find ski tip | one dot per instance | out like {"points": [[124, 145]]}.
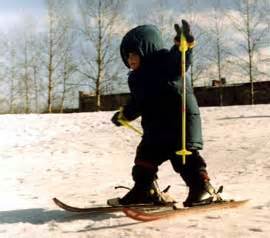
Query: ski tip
{"points": [[139, 215], [57, 201]]}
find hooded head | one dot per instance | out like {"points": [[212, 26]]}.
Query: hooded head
{"points": [[143, 40]]}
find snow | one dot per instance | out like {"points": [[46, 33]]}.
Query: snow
{"points": [[79, 158]]}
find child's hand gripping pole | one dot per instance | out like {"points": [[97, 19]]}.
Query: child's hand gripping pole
{"points": [[126, 123], [183, 47]]}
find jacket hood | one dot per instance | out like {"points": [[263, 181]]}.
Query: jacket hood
{"points": [[144, 40]]}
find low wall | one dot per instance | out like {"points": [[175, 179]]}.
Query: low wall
{"points": [[206, 96], [112, 102], [233, 94]]}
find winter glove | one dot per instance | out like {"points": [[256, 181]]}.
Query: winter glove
{"points": [[186, 31], [118, 117]]}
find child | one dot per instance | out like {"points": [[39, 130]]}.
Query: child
{"points": [[155, 87]]}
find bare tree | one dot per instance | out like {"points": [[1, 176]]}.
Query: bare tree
{"points": [[29, 63], [58, 27], [37, 83], [100, 30], [17, 60], [26, 78], [35, 69], [10, 71], [251, 26], [68, 68], [219, 52], [4, 54], [217, 33], [200, 54]]}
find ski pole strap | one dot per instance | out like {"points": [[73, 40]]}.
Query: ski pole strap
{"points": [[191, 44]]}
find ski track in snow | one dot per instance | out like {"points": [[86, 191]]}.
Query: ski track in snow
{"points": [[79, 158]]}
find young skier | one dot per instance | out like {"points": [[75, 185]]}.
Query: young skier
{"points": [[155, 87]]}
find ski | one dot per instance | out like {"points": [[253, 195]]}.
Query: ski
{"points": [[104, 209], [139, 215]]}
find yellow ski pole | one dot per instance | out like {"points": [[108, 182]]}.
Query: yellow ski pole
{"points": [[183, 47], [128, 125]]}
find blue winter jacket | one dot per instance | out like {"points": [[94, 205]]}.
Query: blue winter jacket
{"points": [[156, 90]]}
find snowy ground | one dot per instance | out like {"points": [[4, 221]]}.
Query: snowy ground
{"points": [[79, 158]]}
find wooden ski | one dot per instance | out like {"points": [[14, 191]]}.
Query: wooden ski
{"points": [[106, 208], [137, 214]]}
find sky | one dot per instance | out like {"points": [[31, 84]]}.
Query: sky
{"points": [[11, 10]]}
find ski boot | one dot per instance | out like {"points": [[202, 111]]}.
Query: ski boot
{"points": [[202, 193], [141, 195]]}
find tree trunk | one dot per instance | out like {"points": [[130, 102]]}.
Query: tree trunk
{"points": [[65, 78], [50, 63]]}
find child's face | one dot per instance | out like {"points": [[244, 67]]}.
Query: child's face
{"points": [[134, 61]]}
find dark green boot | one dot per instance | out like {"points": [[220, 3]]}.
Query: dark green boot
{"points": [[200, 194], [142, 195]]}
